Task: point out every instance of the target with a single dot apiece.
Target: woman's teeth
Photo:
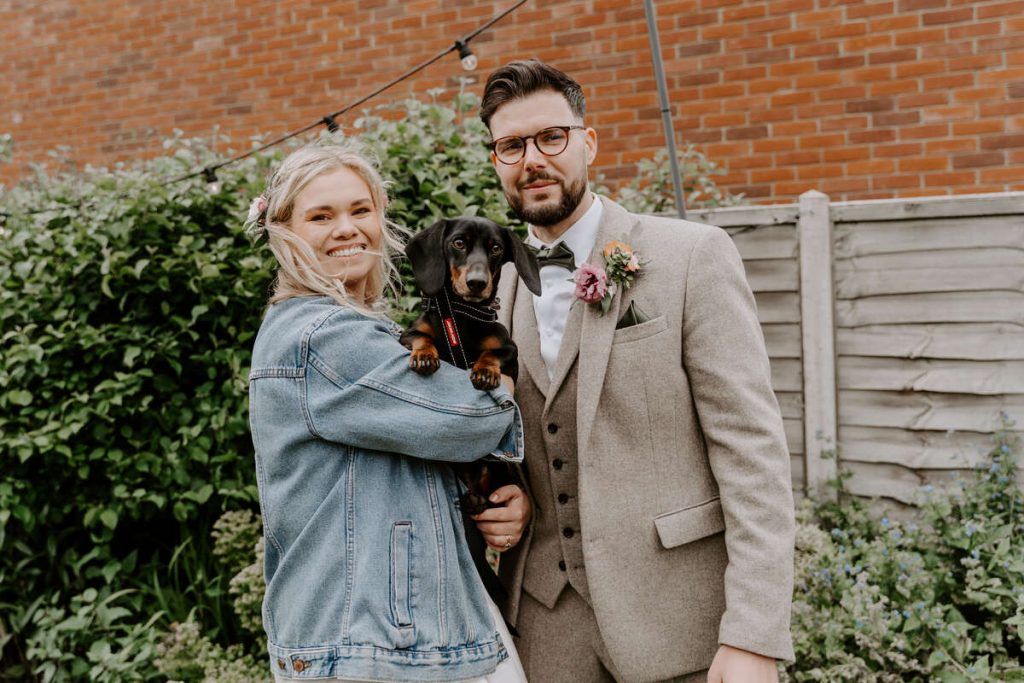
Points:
(349, 251)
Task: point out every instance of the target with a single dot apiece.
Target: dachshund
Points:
(457, 263)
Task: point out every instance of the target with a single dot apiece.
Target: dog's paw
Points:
(485, 377)
(424, 362)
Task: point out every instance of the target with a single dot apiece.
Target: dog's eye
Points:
(459, 244)
(496, 249)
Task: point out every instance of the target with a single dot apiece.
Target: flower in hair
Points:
(256, 221)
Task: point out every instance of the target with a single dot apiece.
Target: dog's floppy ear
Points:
(426, 254)
(526, 262)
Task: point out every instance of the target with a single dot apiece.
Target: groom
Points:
(662, 533)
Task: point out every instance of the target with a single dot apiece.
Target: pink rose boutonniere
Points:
(591, 283)
(598, 285)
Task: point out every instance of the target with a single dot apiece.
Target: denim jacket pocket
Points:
(401, 577)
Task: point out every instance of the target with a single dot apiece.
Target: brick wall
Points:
(860, 99)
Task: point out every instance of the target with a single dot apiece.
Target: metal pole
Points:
(666, 111)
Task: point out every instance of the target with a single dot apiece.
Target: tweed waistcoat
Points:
(556, 551)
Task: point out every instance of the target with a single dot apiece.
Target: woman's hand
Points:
(503, 526)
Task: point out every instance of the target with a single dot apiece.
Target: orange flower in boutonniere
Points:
(622, 265)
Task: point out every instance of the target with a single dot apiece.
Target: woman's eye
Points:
(320, 217)
(362, 211)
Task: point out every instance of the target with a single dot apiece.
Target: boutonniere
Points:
(597, 285)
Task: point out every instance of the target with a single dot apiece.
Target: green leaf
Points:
(19, 397)
(109, 518)
(130, 354)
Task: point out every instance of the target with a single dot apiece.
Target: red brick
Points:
(915, 5)
(920, 164)
(977, 160)
(869, 105)
(868, 9)
(896, 182)
(948, 17)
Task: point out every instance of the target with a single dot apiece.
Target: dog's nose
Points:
(476, 285)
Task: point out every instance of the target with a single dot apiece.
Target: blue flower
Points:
(886, 523)
(906, 614)
(1004, 448)
(975, 554)
(896, 534)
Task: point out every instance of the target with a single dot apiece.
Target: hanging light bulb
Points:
(331, 123)
(210, 176)
(466, 55)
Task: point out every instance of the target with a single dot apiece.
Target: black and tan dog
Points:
(457, 263)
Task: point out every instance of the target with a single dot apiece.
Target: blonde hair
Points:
(299, 271)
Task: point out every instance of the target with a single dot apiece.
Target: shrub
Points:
(939, 598)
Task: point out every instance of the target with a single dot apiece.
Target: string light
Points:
(210, 176)
(466, 55)
(209, 173)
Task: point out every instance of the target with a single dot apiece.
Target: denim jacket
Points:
(367, 570)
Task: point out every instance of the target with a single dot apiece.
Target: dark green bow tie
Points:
(558, 255)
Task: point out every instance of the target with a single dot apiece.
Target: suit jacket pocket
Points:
(691, 523)
(641, 331)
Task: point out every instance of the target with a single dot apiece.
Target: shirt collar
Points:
(580, 237)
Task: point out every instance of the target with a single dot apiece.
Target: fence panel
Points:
(924, 299)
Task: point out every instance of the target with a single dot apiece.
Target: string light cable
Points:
(209, 172)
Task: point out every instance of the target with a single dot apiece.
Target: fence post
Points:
(817, 303)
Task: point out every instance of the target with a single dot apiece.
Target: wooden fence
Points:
(895, 330)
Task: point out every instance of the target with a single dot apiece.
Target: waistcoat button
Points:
(552, 428)
(561, 565)
(557, 464)
(563, 498)
(567, 532)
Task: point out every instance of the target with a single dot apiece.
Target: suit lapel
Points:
(596, 332)
(523, 321)
(568, 350)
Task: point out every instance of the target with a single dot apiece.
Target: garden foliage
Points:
(128, 307)
(937, 598)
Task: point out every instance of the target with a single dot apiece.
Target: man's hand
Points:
(732, 665)
(503, 526)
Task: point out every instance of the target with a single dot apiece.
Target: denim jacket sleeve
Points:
(360, 391)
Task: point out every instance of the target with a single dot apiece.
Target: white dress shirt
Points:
(552, 306)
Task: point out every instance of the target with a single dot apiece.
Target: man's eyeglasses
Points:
(549, 142)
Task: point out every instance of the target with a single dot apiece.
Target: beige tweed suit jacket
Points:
(685, 497)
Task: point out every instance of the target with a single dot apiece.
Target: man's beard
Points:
(547, 215)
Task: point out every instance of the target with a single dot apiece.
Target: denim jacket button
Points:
(299, 666)
(280, 664)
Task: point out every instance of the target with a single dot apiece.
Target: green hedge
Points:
(127, 317)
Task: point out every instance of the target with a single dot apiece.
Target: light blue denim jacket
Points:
(368, 574)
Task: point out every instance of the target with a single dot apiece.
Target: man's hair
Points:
(517, 80)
